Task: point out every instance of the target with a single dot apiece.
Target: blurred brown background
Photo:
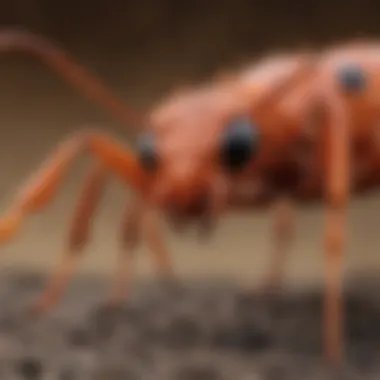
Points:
(143, 49)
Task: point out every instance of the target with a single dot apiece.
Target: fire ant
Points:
(307, 136)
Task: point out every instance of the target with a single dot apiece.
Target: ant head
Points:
(198, 140)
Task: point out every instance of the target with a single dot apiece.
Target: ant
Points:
(309, 136)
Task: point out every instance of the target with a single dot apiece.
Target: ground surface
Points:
(196, 330)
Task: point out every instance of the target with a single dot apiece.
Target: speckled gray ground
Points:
(189, 330)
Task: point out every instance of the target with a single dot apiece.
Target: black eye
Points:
(352, 78)
(239, 144)
(146, 151)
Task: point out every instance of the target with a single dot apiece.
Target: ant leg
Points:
(77, 239)
(337, 191)
(283, 232)
(333, 315)
(113, 157)
(40, 192)
(155, 241)
(130, 238)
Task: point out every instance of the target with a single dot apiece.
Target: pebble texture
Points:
(200, 330)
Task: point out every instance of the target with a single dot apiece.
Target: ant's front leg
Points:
(36, 195)
(77, 240)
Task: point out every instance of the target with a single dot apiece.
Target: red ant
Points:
(309, 125)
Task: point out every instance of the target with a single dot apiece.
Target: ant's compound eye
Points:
(352, 78)
(147, 153)
(239, 144)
